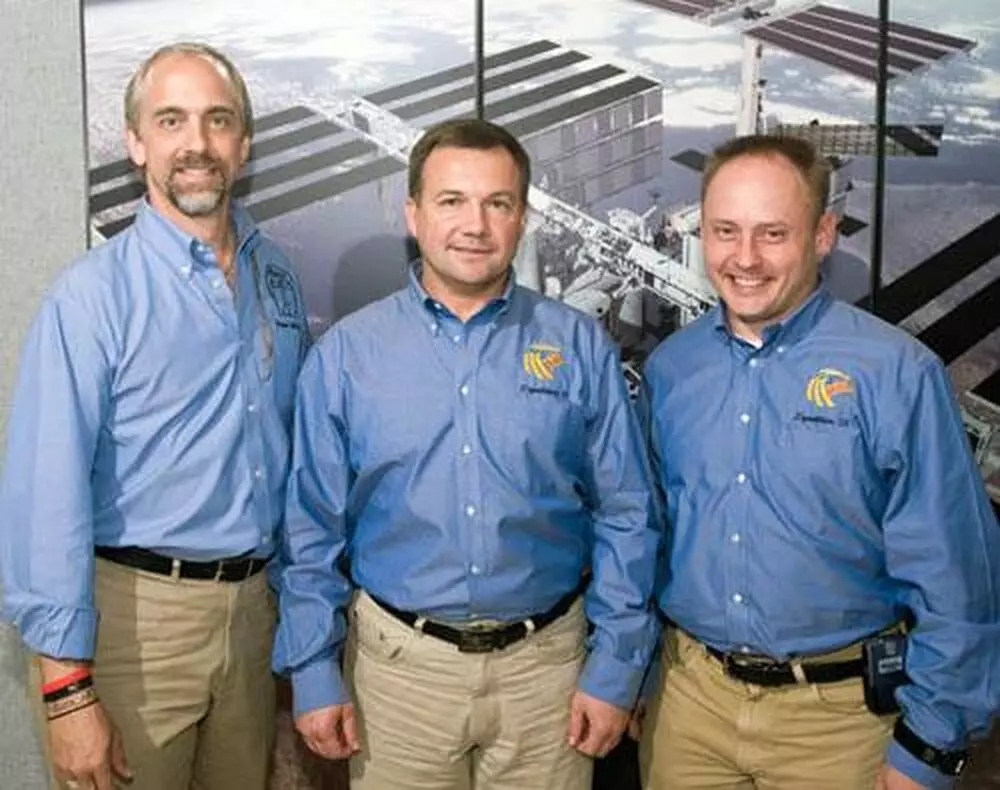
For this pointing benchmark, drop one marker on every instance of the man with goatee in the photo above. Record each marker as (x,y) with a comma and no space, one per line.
(146,461)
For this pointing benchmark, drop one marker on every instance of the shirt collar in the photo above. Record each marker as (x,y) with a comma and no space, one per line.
(419,294)
(164,234)
(795,326)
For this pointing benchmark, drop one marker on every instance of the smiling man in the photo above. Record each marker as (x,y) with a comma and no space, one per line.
(467,447)
(821,499)
(147,459)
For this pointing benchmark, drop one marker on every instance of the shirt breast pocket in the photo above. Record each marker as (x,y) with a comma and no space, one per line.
(546,424)
(827,446)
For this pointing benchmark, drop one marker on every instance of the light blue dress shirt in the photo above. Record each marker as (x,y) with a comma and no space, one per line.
(468,471)
(152,408)
(815,487)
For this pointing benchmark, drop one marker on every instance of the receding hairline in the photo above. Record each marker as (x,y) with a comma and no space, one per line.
(810,167)
(138,85)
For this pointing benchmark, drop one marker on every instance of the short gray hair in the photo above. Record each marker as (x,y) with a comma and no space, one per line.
(137,84)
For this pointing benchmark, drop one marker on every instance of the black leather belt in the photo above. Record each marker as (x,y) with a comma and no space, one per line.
(764,671)
(235,569)
(485,640)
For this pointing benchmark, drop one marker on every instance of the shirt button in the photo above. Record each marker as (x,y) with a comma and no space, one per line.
(741,478)
(734,538)
(457,338)
(781,349)
(470,511)
(216,283)
(185,270)
(258,473)
(753,362)
(745,649)
(744,418)
(737,598)
(252,408)
(266,539)
(466,449)
(464,389)
(474,570)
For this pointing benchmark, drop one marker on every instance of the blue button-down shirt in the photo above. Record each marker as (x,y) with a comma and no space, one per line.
(469,471)
(153,408)
(817,485)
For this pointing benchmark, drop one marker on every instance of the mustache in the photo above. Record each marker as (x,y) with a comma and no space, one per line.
(191,160)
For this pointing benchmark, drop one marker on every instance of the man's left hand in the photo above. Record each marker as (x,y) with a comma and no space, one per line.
(891,779)
(595,726)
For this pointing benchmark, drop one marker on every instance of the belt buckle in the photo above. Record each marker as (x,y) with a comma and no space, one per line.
(475,642)
(733,663)
(218,571)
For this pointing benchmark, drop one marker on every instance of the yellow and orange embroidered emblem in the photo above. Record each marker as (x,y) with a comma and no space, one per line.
(827,385)
(541,361)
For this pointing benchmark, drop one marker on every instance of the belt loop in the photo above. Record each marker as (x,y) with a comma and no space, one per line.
(175,569)
(251,564)
(798,671)
(529,626)
(218,571)
(418,624)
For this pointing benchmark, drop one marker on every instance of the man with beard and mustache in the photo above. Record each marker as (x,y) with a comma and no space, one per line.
(147,457)
(822,499)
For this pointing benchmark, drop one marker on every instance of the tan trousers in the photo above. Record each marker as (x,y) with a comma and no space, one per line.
(183,669)
(432,718)
(708,731)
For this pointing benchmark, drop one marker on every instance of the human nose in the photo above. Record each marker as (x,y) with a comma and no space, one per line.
(197,137)
(474,219)
(746,253)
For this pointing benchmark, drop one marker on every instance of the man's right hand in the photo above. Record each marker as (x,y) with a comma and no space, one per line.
(87,749)
(330,732)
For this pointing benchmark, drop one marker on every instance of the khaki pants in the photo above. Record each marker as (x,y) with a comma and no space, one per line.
(432,718)
(708,731)
(183,669)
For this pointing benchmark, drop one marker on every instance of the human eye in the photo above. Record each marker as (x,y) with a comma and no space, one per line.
(501,204)
(169,122)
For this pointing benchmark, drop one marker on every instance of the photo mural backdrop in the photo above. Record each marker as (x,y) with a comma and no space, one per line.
(618,102)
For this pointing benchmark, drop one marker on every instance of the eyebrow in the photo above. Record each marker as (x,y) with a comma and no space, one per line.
(215,109)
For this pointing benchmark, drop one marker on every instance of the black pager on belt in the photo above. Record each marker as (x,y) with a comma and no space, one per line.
(883,658)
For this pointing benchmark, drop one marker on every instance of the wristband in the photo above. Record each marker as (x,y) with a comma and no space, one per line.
(948,763)
(65,680)
(69,690)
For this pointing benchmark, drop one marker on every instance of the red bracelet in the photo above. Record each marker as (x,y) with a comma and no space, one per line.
(66,680)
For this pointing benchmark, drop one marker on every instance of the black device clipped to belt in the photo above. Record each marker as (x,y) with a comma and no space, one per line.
(884,659)
(486,640)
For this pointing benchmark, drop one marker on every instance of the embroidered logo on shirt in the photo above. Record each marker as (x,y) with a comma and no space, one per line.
(541,361)
(827,385)
(281,287)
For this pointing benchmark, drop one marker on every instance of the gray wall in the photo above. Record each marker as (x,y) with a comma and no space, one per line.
(43,225)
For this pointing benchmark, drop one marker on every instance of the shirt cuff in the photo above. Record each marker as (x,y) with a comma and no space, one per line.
(57,632)
(917,770)
(318,684)
(611,680)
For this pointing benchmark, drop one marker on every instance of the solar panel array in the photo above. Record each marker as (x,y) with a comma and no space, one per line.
(848,41)
(299,157)
(698,9)
(860,139)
